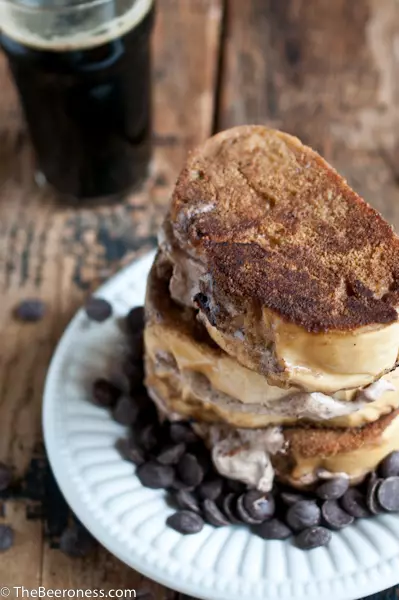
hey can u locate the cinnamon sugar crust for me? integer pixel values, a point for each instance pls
(310, 441)
(276, 225)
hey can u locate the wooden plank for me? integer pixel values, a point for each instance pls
(98, 571)
(28, 538)
(326, 72)
(60, 254)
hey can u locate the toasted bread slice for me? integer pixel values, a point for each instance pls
(354, 451)
(309, 450)
(201, 381)
(285, 251)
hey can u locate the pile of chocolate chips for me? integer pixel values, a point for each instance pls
(170, 456)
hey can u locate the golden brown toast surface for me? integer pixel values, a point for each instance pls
(309, 441)
(275, 224)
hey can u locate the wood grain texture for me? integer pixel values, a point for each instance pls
(326, 72)
(60, 254)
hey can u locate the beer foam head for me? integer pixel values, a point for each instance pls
(62, 25)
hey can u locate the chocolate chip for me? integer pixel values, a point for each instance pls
(148, 410)
(334, 516)
(228, 505)
(98, 309)
(186, 522)
(372, 478)
(155, 476)
(211, 488)
(303, 514)
(171, 454)
(389, 467)
(5, 476)
(134, 371)
(76, 542)
(125, 411)
(333, 489)
(243, 514)
(147, 436)
(186, 500)
(213, 515)
(313, 537)
(273, 530)
(6, 537)
(354, 503)
(135, 320)
(371, 497)
(180, 485)
(388, 494)
(204, 304)
(189, 470)
(106, 393)
(290, 498)
(182, 433)
(30, 310)
(130, 451)
(259, 506)
(136, 347)
(204, 459)
(236, 487)
(201, 300)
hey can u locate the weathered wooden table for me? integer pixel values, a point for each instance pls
(325, 71)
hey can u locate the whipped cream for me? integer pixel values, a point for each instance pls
(317, 406)
(372, 392)
(244, 454)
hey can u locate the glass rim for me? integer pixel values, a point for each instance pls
(48, 6)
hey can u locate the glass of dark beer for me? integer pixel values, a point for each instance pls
(82, 70)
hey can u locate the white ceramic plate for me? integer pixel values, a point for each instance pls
(218, 564)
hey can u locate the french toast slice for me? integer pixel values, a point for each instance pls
(190, 375)
(293, 273)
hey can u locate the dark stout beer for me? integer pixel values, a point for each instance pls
(88, 104)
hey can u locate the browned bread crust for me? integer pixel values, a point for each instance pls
(274, 223)
(309, 441)
(192, 394)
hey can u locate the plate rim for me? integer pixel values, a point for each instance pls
(56, 458)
